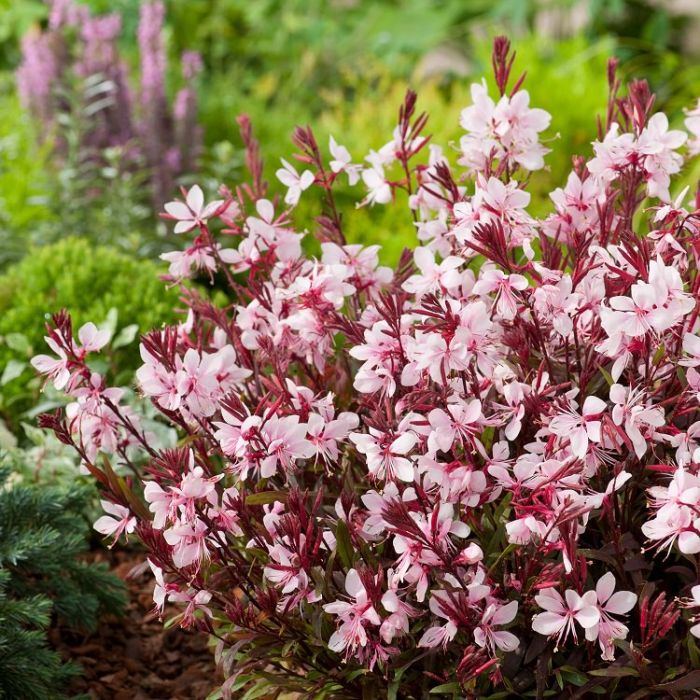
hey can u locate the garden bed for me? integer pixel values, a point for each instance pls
(134, 657)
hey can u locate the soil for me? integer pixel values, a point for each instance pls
(134, 657)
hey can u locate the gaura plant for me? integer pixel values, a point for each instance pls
(475, 475)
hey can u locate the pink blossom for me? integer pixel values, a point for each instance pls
(193, 212)
(433, 276)
(354, 616)
(508, 129)
(582, 428)
(385, 454)
(557, 304)
(160, 590)
(119, 520)
(341, 162)
(677, 506)
(184, 263)
(461, 420)
(194, 601)
(400, 612)
(379, 190)
(630, 410)
(56, 368)
(576, 208)
(561, 613)
(608, 629)
(188, 540)
(286, 572)
(92, 339)
(440, 635)
(486, 636)
(505, 288)
(286, 442)
(326, 435)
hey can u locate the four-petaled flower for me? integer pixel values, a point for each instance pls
(192, 213)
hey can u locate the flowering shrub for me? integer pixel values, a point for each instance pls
(475, 473)
(79, 53)
(99, 284)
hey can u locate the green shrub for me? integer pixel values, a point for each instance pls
(43, 579)
(93, 282)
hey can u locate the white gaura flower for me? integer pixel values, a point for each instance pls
(294, 182)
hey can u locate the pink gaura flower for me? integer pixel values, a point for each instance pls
(194, 601)
(188, 540)
(342, 162)
(440, 635)
(677, 515)
(631, 412)
(400, 612)
(461, 421)
(486, 636)
(581, 428)
(433, 276)
(91, 339)
(192, 213)
(119, 520)
(608, 629)
(286, 442)
(561, 613)
(354, 616)
(505, 288)
(385, 454)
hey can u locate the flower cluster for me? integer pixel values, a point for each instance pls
(456, 473)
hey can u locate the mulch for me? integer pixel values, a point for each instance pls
(134, 657)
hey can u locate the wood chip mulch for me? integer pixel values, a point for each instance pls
(134, 657)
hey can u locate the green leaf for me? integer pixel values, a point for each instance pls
(110, 322)
(615, 672)
(693, 652)
(36, 435)
(257, 691)
(607, 375)
(445, 689)
(19, 343)
(7, 439)
(125, 336)
(691, 681)
(264, 497)
(343, 544)
(659, 354)
(572, 675)
(12, 370)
